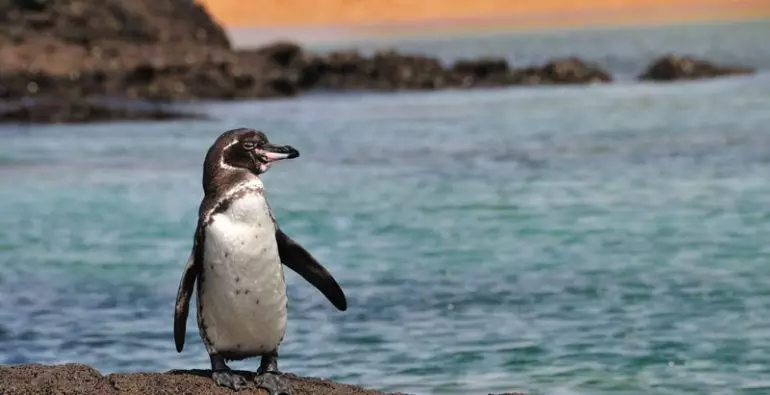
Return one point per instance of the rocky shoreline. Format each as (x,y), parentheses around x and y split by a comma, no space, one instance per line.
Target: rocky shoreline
(84,380)
(68,51)
(84,111)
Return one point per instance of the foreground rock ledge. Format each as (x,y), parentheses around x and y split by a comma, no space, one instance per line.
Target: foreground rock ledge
(85,380)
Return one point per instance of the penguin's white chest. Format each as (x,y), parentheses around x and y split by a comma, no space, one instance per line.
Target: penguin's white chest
(242,298)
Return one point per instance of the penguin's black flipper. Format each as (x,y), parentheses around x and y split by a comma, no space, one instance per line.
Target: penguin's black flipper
(298,259)
(186,286)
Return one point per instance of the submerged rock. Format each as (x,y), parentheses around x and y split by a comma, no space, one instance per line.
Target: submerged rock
(673,67)
(84,380)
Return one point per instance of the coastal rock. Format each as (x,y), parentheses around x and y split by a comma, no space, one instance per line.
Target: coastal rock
(277,67)
(181,73)
(67,111)
(386,70)
(672,67)
(84,380)
(482,72)
(93,22)
(562,71)
(287,69)
(143,49)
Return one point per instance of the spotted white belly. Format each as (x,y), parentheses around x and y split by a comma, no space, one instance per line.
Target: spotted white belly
(242,298)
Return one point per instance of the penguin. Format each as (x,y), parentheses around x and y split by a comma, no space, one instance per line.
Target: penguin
(237,262)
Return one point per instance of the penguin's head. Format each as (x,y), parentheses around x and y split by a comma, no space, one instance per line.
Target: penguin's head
(244,149)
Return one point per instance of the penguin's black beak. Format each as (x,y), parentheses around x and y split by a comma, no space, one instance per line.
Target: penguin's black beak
(271,153)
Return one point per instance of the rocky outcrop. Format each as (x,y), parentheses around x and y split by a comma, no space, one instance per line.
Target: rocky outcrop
(81,111)
(136,72)
(280,67)
(386,70)
(485,71)
(565,71)
(172,50)
(91,23)
(144,49)
(673,67)
(84,380)
(286,67)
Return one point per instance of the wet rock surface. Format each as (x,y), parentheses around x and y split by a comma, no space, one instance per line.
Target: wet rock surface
(84,380)
(673,67)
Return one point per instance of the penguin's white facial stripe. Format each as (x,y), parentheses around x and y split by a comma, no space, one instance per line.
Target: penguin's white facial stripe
(222,162)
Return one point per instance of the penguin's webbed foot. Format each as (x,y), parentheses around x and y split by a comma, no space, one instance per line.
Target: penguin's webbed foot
(226,378)
(273,383)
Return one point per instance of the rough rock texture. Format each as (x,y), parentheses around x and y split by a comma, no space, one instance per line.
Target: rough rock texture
(285,67)
(80,111)
(386,70)
(279,67)
(672,67)
(146,49)
(172,50)
(76,379)
(486,71)
(90,23)
(564,71)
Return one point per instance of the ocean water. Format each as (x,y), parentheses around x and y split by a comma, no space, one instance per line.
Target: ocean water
(552,240)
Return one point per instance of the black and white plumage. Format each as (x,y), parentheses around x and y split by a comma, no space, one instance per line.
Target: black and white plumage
(236,263)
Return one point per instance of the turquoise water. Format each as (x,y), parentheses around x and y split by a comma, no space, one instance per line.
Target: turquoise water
(561,240)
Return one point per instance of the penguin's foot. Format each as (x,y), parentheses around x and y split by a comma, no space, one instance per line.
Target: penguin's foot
(273,383)
(226,378)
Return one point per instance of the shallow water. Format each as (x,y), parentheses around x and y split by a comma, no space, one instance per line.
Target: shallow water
(561,240)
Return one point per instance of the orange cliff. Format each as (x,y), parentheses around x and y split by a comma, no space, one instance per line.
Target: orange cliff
(329,13)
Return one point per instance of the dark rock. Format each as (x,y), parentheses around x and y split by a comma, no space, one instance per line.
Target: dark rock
(277,68)
(562,71)
(672,67)
(182,74)
(84,380)
(286,69)
(283,54)
(91,22)
(66,111)
(386,70)
(35,5)
(144,49)
(405,71)
(483,71)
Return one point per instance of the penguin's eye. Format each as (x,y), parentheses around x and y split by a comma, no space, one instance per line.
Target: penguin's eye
(248,145)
